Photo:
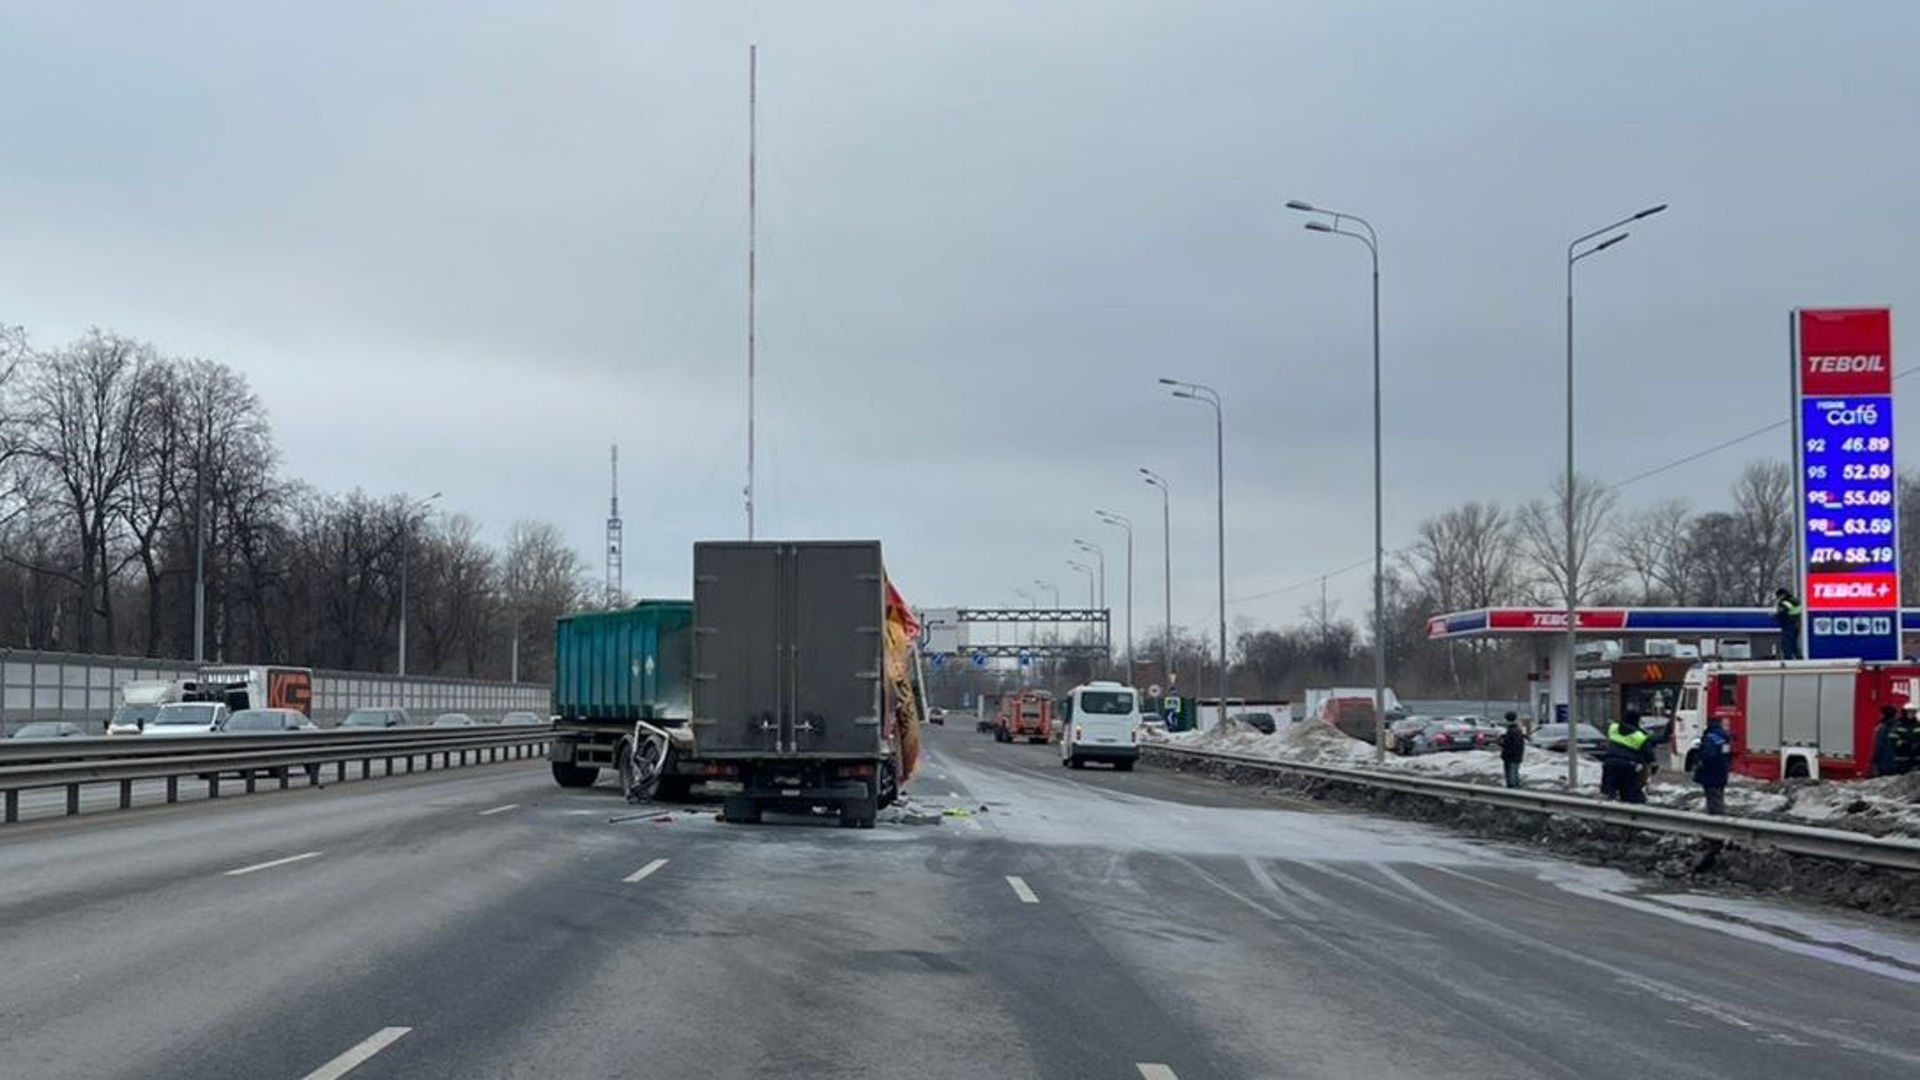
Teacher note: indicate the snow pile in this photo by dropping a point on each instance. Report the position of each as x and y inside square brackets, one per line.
[1314, 742]
[1889, 806]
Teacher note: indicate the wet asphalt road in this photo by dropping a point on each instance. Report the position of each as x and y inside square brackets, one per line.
[1016, 920]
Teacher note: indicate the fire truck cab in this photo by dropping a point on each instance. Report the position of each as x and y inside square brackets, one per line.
[1792, 719]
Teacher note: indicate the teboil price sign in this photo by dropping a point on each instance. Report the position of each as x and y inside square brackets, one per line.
[1848, 482]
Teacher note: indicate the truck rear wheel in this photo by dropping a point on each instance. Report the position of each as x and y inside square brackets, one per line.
[567, 775]
[861, 813]
[740, 809]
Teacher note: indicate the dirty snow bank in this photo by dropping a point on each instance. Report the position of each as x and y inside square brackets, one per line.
[1680, 859]
[1885, 807]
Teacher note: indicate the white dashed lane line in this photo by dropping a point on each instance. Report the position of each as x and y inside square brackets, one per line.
[1150, 1071]
[1022, 890]
[302, 857]
[642, 873]
[500, 809]
[358, 1054]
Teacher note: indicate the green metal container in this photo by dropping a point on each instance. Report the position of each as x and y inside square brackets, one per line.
[620, 666]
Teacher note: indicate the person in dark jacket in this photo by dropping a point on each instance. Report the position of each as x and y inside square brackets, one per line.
[1905, 738]
[1715, 764]
[1513, 749]
[1884, 763]
[1786, 615]
[1627, 750]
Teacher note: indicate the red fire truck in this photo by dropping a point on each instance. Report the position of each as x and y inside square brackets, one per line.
[1026, 714]
[1795, 718]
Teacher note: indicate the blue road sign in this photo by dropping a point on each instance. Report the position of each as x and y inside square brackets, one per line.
[1025, 659]
[979, 659]
[939, 659]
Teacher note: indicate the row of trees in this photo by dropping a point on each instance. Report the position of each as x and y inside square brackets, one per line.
[120, 466]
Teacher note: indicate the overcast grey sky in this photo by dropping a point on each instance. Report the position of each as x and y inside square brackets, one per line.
[463, 246]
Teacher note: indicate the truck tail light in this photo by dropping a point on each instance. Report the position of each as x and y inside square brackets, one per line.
[855, 770]
[715, 768]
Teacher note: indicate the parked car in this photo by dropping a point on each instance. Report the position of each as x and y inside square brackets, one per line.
[1554, 737]
[453, 719]
[254, 721]
[1261, 722]
[187, 718]
[48, 729]
[523, 718]
[376, 718]
[937, 715]
[1400, 732]
[1445, 735]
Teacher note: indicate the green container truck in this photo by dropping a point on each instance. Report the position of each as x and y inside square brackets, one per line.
[622, 681]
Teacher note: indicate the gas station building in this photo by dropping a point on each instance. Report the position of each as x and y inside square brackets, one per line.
[1713, 628]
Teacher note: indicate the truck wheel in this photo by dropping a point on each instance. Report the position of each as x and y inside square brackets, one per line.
[574, 775]
[1076, 763]
[740, 809]
[861, 813]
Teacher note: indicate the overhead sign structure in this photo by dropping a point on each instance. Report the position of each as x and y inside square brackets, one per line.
[1849, 486]
[940, 631]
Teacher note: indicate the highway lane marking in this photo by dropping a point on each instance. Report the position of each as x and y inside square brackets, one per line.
[500, 809]
[358, 1054]
[1150, 1071]
[302, 857]
[644, 872]
[1021, 889]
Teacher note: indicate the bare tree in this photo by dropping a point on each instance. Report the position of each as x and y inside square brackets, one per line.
[541, 579]
[83, 417]
[1466, 557]
[1764, 511]
[1542, 537]
[1651, 546]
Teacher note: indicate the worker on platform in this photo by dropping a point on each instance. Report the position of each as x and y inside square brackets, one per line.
[1786, 615]
[1627, 749]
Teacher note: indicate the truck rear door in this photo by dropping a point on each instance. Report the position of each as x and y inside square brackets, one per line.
[787, 647]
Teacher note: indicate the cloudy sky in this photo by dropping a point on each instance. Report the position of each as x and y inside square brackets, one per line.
[464, 246]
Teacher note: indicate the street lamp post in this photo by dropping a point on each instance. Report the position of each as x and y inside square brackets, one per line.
[1207, 394]
[1054, 588]
[1119, 521]
[200, 548]
[1575, 253]
[1100, 556]
[406, 544]
[1087, 570]
[1166, 552]
[1365, 234]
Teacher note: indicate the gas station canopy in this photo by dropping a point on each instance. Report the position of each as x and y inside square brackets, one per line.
[1618, 621]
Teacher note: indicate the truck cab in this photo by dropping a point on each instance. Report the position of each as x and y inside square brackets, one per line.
[1100, 721]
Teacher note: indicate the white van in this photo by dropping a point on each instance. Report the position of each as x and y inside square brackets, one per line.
[1100, 721]
[139, 700]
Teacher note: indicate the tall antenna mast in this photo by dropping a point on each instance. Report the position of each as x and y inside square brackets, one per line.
[753, 225]
[616, 571]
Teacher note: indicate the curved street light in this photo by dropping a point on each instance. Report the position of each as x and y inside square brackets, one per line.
[1166, 550]
[1120, 521]
[1207, 394]
[1336, 225]
[414, 510]
[1576, 252]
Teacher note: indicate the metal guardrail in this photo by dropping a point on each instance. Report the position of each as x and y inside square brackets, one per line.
[1806, 840]
[75, 763]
